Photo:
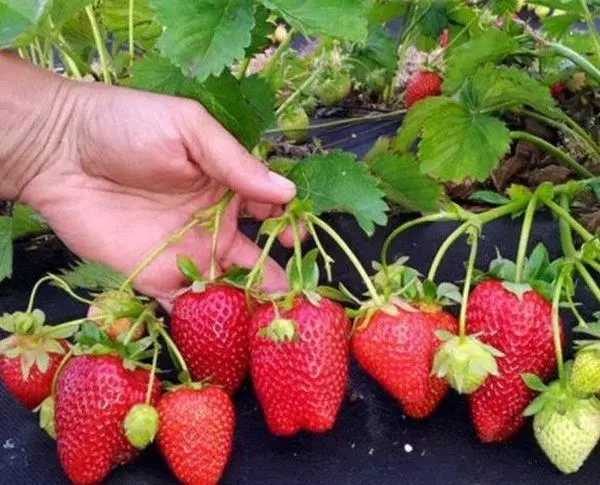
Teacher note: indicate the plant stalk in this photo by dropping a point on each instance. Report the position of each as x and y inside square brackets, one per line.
[102, 52]
[462, 322]
[131, 32]
[524, 238]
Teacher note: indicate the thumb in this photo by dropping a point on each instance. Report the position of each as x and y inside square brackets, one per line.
[220, 156]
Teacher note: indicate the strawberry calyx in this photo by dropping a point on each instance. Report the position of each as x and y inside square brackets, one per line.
[234, 276]
[464, 362]
[31, 340]
[280, 330]
[46, 416]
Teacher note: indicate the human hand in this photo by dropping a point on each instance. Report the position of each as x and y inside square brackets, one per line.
[131, 167]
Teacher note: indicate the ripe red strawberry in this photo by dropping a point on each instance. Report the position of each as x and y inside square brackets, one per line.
[557, 89]
[521, 329]
[210, 328]
[29, 358]
[93, 396]
[397, 351]
[196, 433]
[299, 364]
[421, 85]
[443, 38]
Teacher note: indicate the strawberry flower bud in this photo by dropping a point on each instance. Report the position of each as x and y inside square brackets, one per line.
[141, 425]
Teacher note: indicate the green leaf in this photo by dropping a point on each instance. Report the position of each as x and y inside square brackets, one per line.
[494, 86]
[336, 182]
[6, 247]
[19, 20]
[383, 11]
[379, 52]
[404, 184]
[63, 10]
[556, 26]
[489, 197]
[243, 108]
[333, 294]
[310, 271]
[26, 222]
[262, 29]
[500, 7]
[188, 268]
[205, 36]
[492, 46]
[533, 382]
[343, 19]
[91, 275]
[537, 262]
[456, 143]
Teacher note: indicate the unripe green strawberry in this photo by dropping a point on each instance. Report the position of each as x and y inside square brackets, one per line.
[141, 425]
[568, 437]
[294, 123]
[585, 377]
[334, 88]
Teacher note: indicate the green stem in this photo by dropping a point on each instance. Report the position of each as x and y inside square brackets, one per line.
[579, 134]
[260, 262]
[327, 260]
[524, 238]
[63, 285]
[100, 46]
[349, 121]
[580, 320]
[443, 249]
[69, 63]
[462, 322]
[72, 323]
[159, 249]
[592, 264]
[297, 249]
[556, 331]
[152, 372]
[579, 130]
[139, 321]
[350, 254]
[167, 338]
[589, 20]
[298, 91]
[131, 32]
[278, 53]
[218, 218]
[441, 216]
[243, 68]
[573, 165]
[589, 279]
[566, 236]
[564, 214]
[576, 58]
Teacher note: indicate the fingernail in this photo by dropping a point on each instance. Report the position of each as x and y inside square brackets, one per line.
[282, 182]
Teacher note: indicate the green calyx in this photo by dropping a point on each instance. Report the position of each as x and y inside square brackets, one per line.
[280, 330]
[566, 425]
[464, 362]
[23, 323]
[117, 304]
[46, 416]
[141, 425]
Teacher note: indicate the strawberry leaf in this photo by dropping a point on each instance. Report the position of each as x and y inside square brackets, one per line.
[344, 19]
[383, 11]
[26, 222]
[63, 10]
[309, 269]
[204, 36]
[244, 108]
[492, 46]
[19, 20]
[489, 197]
[115, 15]
[556, 26]
[537, 262]
[262, 29]
[404, 184]
[336, 182]
[91, 275]
[500, 7]
[188, 268]
[6, 247]
[379, 52]
[456, 143]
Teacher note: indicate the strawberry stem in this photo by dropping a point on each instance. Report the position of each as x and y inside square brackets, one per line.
[441, 216]
[524, 238]
[131, 32]
[580, 320]
[220, 209]
[139, 321]
[327, 259]
[152, 371]
[100, 45]
[588, 278]
[556, 330]
[260, 262]
[61, 366]
[61, 283]
[73, 323]
[349, 253]
[564, 214]
[474, 242]
[167, 338]
[593, 264]
[297, 248]
[437, 260]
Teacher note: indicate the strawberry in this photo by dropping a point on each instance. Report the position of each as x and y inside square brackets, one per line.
[210, 327]
[334, 88]
[93, 397]
[557, 89]
[299, 364]
[29, 357]
[586, 372]
[121, 309]
[294, 123]
[196, 433]
[566, 425]
[443, 38]
[421, 85]
[397, 350]
[519, 327]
